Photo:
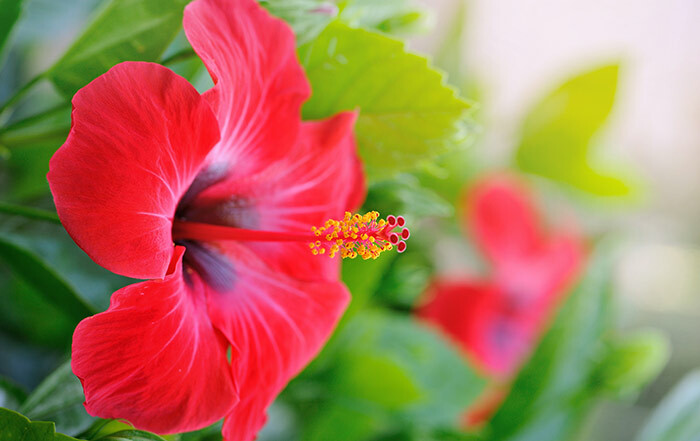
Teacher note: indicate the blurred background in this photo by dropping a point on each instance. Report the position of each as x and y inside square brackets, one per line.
[511, 53]
[595, 105]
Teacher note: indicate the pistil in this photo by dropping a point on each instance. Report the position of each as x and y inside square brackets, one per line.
[363, 235]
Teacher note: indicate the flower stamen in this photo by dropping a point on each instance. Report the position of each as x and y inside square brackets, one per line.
[355, 235]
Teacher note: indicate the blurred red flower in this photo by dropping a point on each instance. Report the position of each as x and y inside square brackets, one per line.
[151, 180]
[496, 321]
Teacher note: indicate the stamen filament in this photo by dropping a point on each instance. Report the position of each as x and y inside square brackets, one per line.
[354, 235]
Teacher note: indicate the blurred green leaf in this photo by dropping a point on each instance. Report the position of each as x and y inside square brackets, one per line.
[553, 390]
[404, 195]
[394, 372]
[131, 435]
[362, 278]
[46, 281]
[307, 17]
[11, 396]
[9, 13]
[557, 135]
[135, 30]
[16, 427]
[632, 361]
[677, 417]
[407, 278]
[59, 398]
[390, 16]
[407, 113]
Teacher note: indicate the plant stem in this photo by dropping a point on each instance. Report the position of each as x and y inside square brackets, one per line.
[33, 138]
[21, 92]
[29, 212]
[36, 117]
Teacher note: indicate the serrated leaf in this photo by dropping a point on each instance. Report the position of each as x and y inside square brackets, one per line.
[633, 361]
[16, 427]
[59, 398]
[9, 13]
[557, 135]
[125, 30]
[551, 393]
[46, 281]
[408, 115]
[676, 418]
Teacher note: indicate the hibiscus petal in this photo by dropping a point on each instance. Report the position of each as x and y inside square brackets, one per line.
[277, 325]
[260, 84]
[503, 220]
[140, 134]
[154, 358]
[318, 180]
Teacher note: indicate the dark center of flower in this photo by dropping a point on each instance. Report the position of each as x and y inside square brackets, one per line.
[200, 227]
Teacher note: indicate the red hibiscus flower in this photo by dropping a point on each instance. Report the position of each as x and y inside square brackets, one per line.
[212, 198]
[498, 320]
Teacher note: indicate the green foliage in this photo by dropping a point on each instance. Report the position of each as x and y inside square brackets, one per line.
[59, 398]
[42, 278]
[405, 195]
[632, 361]
[307, 17]
[390, 372]
[389, 16]
[9, 13]
[552, 392]
[557, 135]
[131, 435]
[135, 30]
[11, 396]
[16, 427]
[407, 113]
[677, 417]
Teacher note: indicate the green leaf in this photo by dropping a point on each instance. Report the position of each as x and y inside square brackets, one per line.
[676, 417]
[408, 115]
[406, 196]
[390, 16]
[307, 17]
[135, 30]
[16, 427]
[633, 361]
[131, 435]
[59, 398]
[557, 135]
[45, 280]
[9, 13]
[400, 368]
[11, 396]
[552, 393]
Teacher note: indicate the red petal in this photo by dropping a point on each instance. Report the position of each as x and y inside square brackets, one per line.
[503, 220]
[319, 179]
[277, 325]
[140, 134]
[260, 84]
[154, 358]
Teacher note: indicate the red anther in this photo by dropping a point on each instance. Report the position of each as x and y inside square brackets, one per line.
[405, 234]
[400, 221]
[401, 247]
[391, 221]
[394, 238]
